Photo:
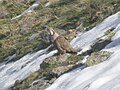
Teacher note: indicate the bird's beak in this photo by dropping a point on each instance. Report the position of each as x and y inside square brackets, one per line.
[50, 30]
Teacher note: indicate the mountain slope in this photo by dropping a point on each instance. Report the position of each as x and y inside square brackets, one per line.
[103, 76]
[19, 52]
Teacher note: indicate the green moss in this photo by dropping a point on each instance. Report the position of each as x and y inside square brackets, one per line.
[98, 57]
[6, 52]
[31, 78]
[26, 47]
[14, 8]
[36, 75]
[73, 59]
[46, 71]
[65, 17]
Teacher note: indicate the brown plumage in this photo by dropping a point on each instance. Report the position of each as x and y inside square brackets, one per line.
[60, 43]
[63, 46]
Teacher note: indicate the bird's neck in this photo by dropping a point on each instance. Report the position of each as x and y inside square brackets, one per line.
[55, 36]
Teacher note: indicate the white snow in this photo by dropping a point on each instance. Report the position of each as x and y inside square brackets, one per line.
[103, 76]
[98, 77]
[85, 59]
[88, 38]
[19, 70]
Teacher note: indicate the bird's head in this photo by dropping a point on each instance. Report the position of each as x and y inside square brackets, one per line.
[50, 30]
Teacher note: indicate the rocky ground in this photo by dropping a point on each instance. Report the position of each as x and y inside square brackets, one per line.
[55, 66]
[68, 17]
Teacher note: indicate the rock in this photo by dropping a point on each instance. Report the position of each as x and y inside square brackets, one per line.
[101, 42]
[50, 70]
[55, 66]
[98, 57]
[44, 65]
[49, 76]
[41, 85]
[17, 84]
[45, 37]
[62, 69]
[55, 60]
[61, 64]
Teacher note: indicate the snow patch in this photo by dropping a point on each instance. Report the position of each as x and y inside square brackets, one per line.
[102, 76]
[77, 79]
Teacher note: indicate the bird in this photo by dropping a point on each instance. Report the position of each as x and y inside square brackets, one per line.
[59, 42]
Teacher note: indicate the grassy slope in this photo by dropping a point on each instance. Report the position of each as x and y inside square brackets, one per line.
[62, 14]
